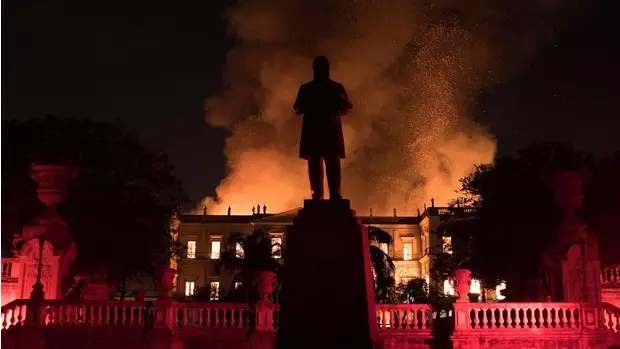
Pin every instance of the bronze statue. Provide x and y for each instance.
(322, 102)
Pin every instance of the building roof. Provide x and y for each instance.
(287, 217)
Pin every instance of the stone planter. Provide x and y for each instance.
(473, 297)
(265, 284)
(462, 282)
(167, 282)
(53, 181)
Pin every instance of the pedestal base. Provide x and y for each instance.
(327, 297)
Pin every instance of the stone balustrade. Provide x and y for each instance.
(211, 315)
(93, 313)
(411, 318)
(13, 313)
(407, 317)
(610, 274)
(609, 317)
(510, 316)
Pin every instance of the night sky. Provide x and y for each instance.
(151, 64)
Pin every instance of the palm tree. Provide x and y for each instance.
(245, 255)
(382, 265)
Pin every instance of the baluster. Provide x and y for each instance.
(70, 318)
(395, 318)
(412, 319)
(473, 318)
(4, 322)
(483, 318)
(20, 317)
(61, 315)
(405, 323)
(517, 317)
(131, 317)
(577, 313)
(108, 315)
(528, 321)
(240, 318)
(492, 321)
(199, 315)
(500, 321)
(184, 317)
(565, 318)
(124, 317)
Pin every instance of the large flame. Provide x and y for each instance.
(412, 69)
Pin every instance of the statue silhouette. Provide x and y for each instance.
(322, 102)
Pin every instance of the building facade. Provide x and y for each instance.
(414, 240)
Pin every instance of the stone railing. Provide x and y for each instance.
(210, 315)
(67, 313)
(13, 313)
(610, 274)
(413, 318)
(547, 317)
(407, 317)
(609, 317)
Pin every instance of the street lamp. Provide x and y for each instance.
(37, 293)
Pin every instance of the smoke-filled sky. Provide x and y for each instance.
(436, 85)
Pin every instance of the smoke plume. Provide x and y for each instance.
(412, 69)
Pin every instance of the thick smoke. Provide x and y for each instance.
(412, 69)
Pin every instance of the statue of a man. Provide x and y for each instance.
(322, 102)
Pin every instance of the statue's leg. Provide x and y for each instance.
(332, 165)
(315, 172)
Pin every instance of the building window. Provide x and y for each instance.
(238, 250)
(448, 289)
(446, 244)
(215, 249)
(214, 286)
(189, 288)
(407, 251)
(237, 285)
(474, 287)
(498, 291)
(191, 249)
(384, 247)
(276, 247)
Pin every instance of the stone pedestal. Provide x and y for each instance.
(327, 297)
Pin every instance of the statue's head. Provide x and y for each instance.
(320, 65)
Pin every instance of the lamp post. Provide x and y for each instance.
(37, 293)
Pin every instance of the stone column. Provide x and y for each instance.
(327, 297)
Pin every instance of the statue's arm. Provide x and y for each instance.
(299, 105)
(346, 105)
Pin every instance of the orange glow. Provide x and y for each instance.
(411, 74)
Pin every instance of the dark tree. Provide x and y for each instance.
(382, 265)
(257, 253)
(515, 218)
(118, 210)
(601, 205)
